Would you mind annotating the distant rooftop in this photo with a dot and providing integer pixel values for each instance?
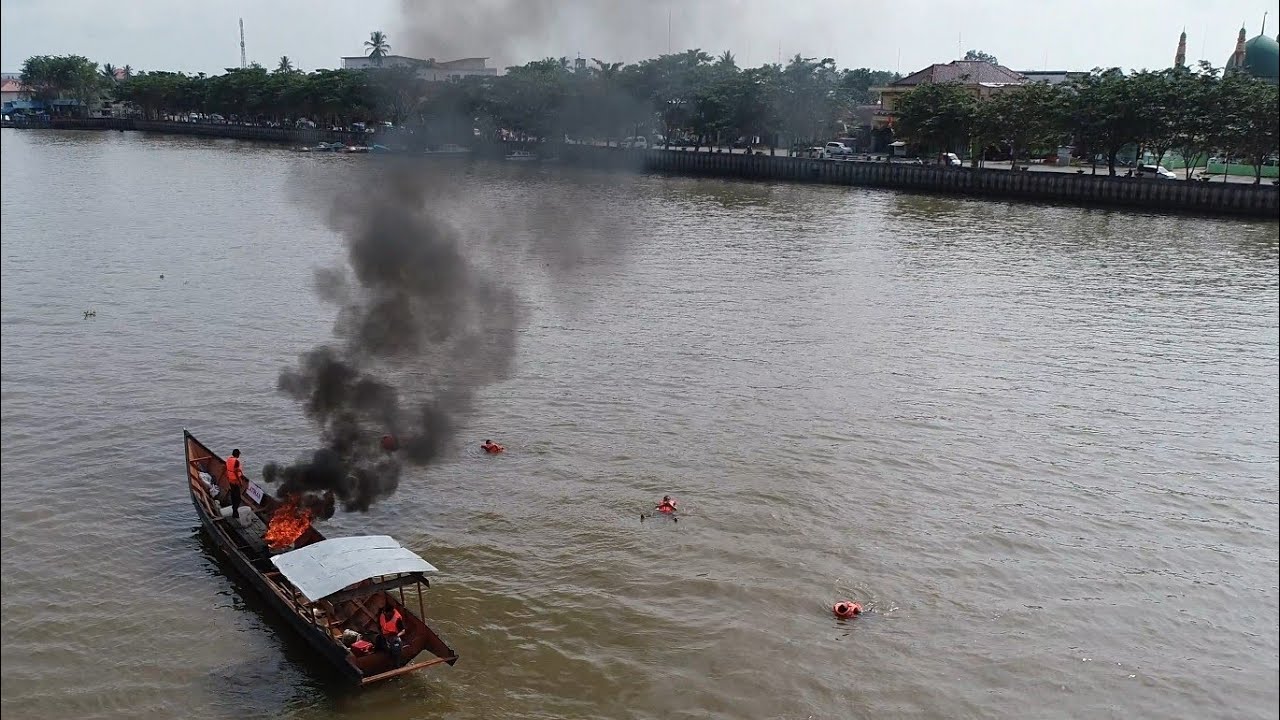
(963, 71)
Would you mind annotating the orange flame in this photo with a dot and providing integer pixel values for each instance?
(288, 523)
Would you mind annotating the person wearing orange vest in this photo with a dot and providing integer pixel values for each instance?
(235, 481)
(391, 631)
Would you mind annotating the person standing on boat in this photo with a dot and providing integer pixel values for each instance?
(235, 481)
(391, 625)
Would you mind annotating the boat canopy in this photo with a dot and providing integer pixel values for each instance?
(326, 567)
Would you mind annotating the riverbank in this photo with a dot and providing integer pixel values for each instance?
(1225, 199)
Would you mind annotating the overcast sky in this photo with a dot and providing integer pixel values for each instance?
(902, 35)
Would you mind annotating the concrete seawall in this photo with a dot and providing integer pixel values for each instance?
(1080, 189)
(1233, 199)
(297, 136)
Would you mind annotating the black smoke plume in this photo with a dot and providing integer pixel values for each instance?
(414, 313)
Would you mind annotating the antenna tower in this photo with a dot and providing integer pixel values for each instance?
(243, 64)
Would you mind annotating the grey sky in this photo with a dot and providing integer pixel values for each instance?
(889, 34)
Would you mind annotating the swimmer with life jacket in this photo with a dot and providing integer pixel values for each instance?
(666, 507)
(492, 447)
(846, 609)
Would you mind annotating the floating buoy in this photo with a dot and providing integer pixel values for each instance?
(846, 609)
(389, 443)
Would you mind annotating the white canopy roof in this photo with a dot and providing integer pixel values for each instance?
(324, 568)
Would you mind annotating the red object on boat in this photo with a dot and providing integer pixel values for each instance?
(389, 443)
(362, 647)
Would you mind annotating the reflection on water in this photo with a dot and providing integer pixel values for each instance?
(1038, 443)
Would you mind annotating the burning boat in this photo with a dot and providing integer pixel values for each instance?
(330, 591)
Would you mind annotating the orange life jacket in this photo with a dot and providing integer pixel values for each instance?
(235, 473)
(390, 626)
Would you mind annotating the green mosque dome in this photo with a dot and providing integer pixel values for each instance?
(1261, 59)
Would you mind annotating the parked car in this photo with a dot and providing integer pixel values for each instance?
(639, 142)
(1157, 171)
(951, 160)
(837, 148)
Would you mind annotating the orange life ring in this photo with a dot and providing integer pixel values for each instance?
(846, 609)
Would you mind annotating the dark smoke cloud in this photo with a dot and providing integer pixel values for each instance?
(421, 326)
(513, 32)
(414, 311)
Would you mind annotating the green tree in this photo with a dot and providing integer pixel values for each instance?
(983, 56)
(285, 65)
(1156, 97)
(378, 46)
(1025, 118)
(937, 117)
(808, 100)
(55, 77)
(1192, 124)
(1248, 119)
(856, 85)
(1103, 117)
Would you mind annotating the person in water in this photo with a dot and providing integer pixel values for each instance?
(492, 447)
(667, 505)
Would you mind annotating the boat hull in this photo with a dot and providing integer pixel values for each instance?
(239, 542)
(338, 661)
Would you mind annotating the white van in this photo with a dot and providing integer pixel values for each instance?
(836, 148)
(1159, 172)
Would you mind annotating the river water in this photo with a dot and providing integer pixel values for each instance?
(1039, 443)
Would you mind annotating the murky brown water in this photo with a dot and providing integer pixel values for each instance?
(1040, 443)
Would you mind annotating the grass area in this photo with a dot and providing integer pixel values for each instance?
(1268, 171)
(1174, 162)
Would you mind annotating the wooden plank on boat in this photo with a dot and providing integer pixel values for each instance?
(406, 669)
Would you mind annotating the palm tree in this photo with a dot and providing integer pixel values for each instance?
(128, 71)
(378, 46)
(108, 72)
(726, 59)
(606, 71)
(285, 65)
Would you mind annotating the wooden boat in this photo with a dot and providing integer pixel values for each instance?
(327, 590)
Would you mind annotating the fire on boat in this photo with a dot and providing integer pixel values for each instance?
(330, 590)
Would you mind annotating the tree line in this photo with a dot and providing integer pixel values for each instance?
(1193, 112)
(693, 99)
(688, 97)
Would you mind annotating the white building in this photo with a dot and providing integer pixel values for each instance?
(431, 70)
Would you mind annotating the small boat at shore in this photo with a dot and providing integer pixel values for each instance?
(521, 156)
(329, 590)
